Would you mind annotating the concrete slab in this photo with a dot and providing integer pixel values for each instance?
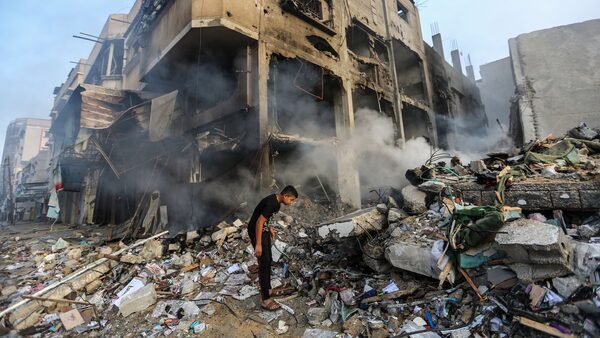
(532, 242)
(354, 224)
(414, 199)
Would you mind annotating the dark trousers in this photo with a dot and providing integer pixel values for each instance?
(264, 263)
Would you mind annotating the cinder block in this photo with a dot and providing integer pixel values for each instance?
(532, 242)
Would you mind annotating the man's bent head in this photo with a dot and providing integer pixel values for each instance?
(289, 195)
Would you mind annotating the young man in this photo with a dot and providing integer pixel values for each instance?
(261, 234)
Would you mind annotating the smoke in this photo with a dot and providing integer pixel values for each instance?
(302, 101)
(471, 139)
(381, 159)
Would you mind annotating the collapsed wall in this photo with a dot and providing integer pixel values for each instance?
(556, 71)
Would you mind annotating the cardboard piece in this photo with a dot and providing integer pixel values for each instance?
(71, 319)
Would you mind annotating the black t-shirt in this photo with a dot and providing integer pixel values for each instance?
(267, 207)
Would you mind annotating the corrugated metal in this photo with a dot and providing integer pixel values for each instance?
(101, 107)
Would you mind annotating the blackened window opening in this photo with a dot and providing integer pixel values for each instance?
(402, 11)
(313, 7)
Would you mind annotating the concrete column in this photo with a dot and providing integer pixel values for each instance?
(110, 58)
(260, 76)
(471, 73)
(438, 45)
(348, 179)
(456, 63)
(526, 112)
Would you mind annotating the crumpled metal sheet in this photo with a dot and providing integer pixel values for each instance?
(101, 107)
(161, 115)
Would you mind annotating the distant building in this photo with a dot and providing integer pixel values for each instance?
(25, 139)
(456, 96)
(497, 86)
(32, 189)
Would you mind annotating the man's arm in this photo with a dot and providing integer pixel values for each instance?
(259, 228)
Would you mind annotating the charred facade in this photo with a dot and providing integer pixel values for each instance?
(202, 103)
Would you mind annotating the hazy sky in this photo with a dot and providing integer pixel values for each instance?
(37, 49)
(38, 44)
(482, 27)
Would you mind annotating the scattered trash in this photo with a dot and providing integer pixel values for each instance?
(60, 245)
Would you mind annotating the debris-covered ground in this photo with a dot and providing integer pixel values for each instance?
(423, 263)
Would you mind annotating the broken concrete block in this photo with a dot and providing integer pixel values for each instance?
(191, 235)
(184, 260)
(72, 264)
(29, 321)
(588, 231)
(132, 259)
(93, 286)
(374, 258)
(382, 208)
(57, 293)
(586, 257)
(477, 166)
(9, 290)
(74, 253)
(414, 258)
(392, 203)
(238, 223)
(27, 311)
(529, 273)
(187, 286)
(396, 215)
(84, 279)
(282, 328)
(353, 326)
(105, 250)
(152, 249)
(174, 246)
(566, 285)
(221, 235)
(205, 240)
(414, 199)
(432, 186)
(138, 300)
(354, 224)
(532, 242)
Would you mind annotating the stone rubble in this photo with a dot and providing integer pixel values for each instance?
(432, 265)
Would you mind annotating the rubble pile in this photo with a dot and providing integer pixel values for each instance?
(429, 264)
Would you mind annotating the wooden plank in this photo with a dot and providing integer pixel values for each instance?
(543, 328)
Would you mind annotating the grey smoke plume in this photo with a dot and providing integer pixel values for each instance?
(470, 139)
(381, 159)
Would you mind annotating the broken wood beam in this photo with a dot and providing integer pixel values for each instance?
(389, 296)
(543, 327)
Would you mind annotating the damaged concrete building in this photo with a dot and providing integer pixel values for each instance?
(555, 86)
(187, 107)
(26, 138)
(548, 83)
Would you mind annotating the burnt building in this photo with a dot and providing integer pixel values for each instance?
(214, 100)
